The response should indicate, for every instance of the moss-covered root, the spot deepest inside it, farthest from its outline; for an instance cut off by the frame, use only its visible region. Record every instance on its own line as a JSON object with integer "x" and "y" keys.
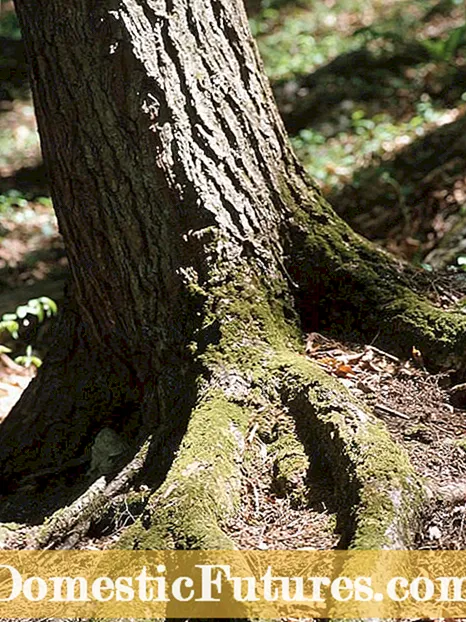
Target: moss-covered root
{"x": 378, "y": 492}
{"x": 203, "y": 485}
{"x": 291, "y": 467}
{"x": 380, "y": 496}
{"x": 349, "y": 285}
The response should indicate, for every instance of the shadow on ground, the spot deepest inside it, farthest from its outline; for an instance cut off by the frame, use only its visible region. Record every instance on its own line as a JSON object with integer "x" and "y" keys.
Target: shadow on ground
{"x": 419, "y": 195}
{"x": 362, "y": 76}
{"x": 14, "y": 82}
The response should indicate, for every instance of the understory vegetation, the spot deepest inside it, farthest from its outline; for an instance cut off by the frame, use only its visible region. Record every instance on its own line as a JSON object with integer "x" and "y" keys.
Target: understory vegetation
{"x": 374, "y": 95}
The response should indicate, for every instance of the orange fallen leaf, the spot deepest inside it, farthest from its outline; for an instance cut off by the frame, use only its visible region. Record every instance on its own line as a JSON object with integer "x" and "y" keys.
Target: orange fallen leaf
{"x": 344, "y": 370}
{"x": 417, "y": 356}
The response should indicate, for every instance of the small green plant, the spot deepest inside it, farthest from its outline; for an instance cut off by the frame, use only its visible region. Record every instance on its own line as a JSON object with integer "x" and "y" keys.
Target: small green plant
{"x": 12, "y": 198}
{"x": 11, "y": 323}
{"x": 445, "y": 50}
{"x": 28, "y": 359}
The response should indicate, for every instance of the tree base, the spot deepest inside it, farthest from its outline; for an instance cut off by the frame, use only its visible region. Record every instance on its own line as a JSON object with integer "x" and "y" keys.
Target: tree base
{"x": 380, "y": 496}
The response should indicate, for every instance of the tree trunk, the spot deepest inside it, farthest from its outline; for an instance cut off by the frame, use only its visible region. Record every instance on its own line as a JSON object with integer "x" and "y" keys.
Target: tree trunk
{"x": 167, "y": 170}
{"x": 195, "y": 240}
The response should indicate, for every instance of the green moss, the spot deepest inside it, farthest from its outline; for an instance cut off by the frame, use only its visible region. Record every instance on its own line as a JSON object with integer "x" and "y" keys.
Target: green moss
{"x": 371, "y": 291}
{"x": 257, "y": 310}
{"x": 379, "y": 493}
{"x": 291, "y": 466}
{"x": 203, "y": 485}
{"x": 250, "y": 324}
{"x": 439, "y": 335}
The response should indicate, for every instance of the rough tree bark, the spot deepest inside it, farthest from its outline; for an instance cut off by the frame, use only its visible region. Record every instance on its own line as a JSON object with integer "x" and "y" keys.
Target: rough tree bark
{"x": 198, "y": 250}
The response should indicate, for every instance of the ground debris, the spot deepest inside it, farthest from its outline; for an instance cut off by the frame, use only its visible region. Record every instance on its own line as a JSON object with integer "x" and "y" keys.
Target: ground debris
{"x": 269, "y": 518}
{"x": 421, "y": 412}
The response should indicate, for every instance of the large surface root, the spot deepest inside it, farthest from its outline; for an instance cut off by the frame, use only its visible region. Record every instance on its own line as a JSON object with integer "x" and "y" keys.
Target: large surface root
{"x": 379, "y": 494}
{"x": 348, "y": 286}
{"x": 203, "y": 486}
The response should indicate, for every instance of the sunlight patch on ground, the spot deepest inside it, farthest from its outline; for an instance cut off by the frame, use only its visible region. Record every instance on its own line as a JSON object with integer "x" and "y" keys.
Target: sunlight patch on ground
{"x": 19, "y": 140}
{"x": 13, "y": 381}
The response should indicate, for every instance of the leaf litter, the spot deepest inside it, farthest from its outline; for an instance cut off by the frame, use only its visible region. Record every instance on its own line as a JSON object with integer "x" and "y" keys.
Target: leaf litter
{"x": 424, "y": 413}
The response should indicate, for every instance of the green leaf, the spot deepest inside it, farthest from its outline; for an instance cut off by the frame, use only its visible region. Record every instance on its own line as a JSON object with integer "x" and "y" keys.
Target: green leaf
{"x": 49, "y": 305}
{"x": 455, "y": 39}
{"x": 22, "y": 311}
{"x": 445, "y": 49}
{"x": 10, "y": 326}
{"x": 9, "y": 317}
{"x": 28, "y": 359}
{"x": 35, "y": 308}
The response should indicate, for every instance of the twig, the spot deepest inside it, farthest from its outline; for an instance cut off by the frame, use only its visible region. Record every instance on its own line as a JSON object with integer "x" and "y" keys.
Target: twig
{"x": 386, "y": 410}
{"x": 78, "y": 516}
{"x": 382, "y": 353}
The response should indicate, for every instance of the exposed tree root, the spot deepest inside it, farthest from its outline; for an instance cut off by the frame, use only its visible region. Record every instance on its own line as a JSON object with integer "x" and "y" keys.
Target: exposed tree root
{"x": 349, "y": 286}
{"x": 380, "y": 495}
{"x": 202, "y": 488}
{"x": 291, "y": 464}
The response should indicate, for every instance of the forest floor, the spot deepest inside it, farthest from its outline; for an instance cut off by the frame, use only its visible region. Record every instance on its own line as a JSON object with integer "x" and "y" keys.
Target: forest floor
{"x": 374, "y": 99}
